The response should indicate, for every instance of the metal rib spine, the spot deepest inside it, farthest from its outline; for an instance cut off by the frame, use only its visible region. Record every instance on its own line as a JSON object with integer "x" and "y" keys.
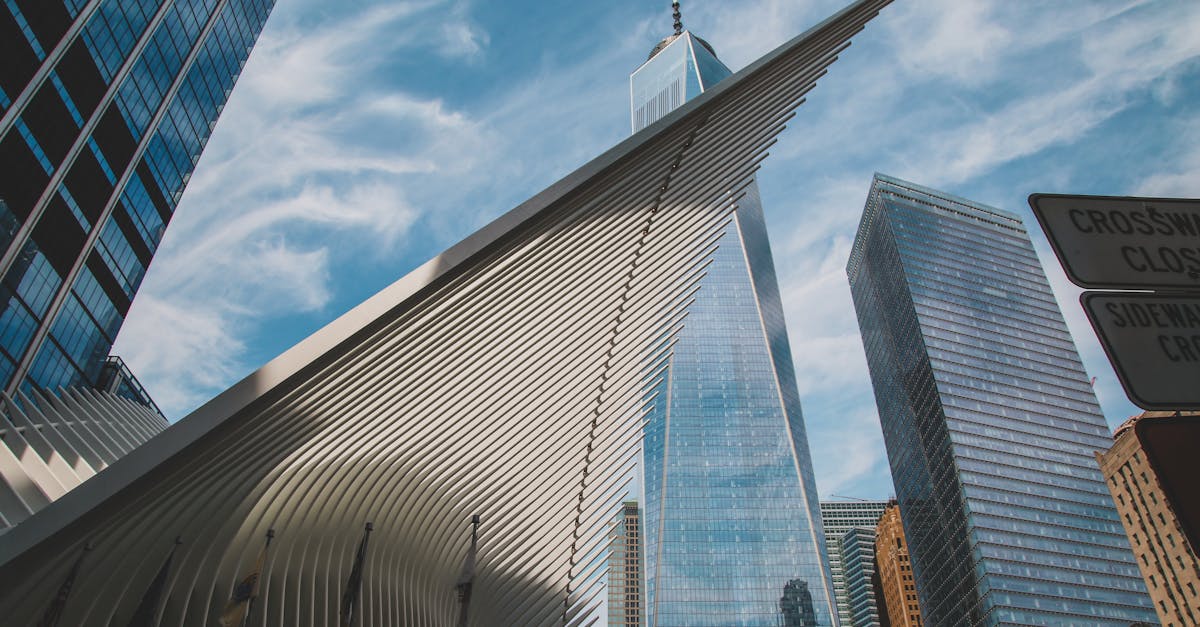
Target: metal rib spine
{"x": 53, "y": 444}
{"x": 488, "y": 382}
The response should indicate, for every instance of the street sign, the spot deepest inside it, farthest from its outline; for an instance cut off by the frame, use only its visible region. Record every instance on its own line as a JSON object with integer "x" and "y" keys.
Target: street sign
{"x": 1111, "y": 242}
{"x": 1153, "y": 342}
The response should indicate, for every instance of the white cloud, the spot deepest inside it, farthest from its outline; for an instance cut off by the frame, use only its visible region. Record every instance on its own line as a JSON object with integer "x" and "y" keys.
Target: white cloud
{"x": 306, "y": 157}
{"x": 825, "y": 342}
{"x": 310, "y": 65}
{"x": 427, "y": 113}
{"x": 848, "y": 455}
{"x": 1121, "y": 63}
{"x": 187, "y": 352}
{"x": 461, "y": 39}
{"x": 1182, "y": 177}
{"x": 951, "y": 39}
{"x": 283, "y": 274}
{"x": 1021, "y": 129}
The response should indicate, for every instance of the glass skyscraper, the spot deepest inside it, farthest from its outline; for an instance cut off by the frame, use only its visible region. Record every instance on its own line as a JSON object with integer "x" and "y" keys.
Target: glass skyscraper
{"x": 105, "y": 106}
{"x": 838, "y": 517}
{"x": 988, "y": 417}
{"x": 731, "y": 523}
{"x": 857, "y": 551}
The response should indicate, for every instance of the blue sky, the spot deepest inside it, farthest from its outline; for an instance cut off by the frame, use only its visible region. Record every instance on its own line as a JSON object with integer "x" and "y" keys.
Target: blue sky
{"x": 366, "y": 136}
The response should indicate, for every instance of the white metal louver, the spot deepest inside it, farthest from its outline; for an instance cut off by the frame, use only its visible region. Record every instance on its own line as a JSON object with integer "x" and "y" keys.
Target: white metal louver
{"x": 54, "y": 443}
{"x": 506, "y": 377}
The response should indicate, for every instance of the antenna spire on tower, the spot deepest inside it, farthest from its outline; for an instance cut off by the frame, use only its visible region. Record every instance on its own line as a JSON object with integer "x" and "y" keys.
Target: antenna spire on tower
{"x": 678, "y": 18}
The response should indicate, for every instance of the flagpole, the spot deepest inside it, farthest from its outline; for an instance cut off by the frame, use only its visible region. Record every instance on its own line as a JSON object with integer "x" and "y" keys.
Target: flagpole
{"x": 54, "y": 610}
{"x": 147, "y": 612}
{"x": 467, "y": 578}
{"x": 254, "y": 597}
{"x": 354, "y": 585}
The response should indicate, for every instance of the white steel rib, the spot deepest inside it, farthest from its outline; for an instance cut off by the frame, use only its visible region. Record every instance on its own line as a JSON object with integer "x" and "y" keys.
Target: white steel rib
{"x": 507, "y": 377}
{"x": 52, "y": 444}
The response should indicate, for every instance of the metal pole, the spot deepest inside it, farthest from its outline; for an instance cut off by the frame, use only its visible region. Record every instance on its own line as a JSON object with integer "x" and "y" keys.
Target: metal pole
{"x": 467, "y": 579}
{"x": 261, "y": 567}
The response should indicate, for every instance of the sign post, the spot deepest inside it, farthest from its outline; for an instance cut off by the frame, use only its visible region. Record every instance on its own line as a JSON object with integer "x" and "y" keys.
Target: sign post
{"x": 1152, "y": 337}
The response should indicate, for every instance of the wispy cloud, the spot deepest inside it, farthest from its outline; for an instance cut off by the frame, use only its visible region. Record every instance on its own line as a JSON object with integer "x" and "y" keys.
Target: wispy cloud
{"x": 330, "y": 166}
{"x": 958, "y": 41}
{"x": 1181, "y": 178}
{"x": 460, "y": 37}
{"x": 1120, "y": 64}
{"x": 847, "y": 451}
{"x": 177, "y": 339}
{"x": 311, "y": 153}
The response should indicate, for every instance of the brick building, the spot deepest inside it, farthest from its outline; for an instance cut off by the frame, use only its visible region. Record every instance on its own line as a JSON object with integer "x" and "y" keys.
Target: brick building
{"x": 899, "y": 590}
{"x": 1150, "y": 470}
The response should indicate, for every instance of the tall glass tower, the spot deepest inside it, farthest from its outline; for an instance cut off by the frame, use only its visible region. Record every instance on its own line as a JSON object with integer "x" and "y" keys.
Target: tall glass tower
{"x": 732, "y": 524}
{"x": 988, "y": 418}
{"x": 105, "y": 106}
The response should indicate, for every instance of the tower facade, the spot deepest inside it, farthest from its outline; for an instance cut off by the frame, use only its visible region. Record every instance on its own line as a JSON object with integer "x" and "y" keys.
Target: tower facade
{"x": 837, "y": 518}
{"x": 732, "y": 524}
{"x": 988, "y": 418}
{"x": 857, "y": 549}
{"x": 625, "y": 568}
{"x": 1150, "y": 470}
{"x": 899, "y": 605}
{"x": 104, "y": 109}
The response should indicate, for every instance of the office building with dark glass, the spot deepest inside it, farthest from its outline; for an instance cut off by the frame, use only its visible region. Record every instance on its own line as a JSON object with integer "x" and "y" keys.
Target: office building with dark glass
{"x": 105, "y": 106}
{"x": 732, "y": 525}
{"x": 988, "y": 418}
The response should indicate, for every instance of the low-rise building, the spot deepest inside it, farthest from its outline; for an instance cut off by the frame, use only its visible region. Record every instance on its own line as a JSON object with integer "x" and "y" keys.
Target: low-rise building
{"x": 1151, "y": 469}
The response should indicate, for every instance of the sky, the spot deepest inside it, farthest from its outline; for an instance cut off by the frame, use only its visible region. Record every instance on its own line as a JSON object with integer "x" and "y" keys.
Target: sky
{"x": 366, "y": 136}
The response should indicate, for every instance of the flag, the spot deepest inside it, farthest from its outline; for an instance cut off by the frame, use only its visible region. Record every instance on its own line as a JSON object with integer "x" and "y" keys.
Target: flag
{"x": 146, "y": 614}
{"x": 242, "y": 601}
{"x": 467, "y": 576}
{"x": 55, "y": 609}
{"x": 354, "y": 584}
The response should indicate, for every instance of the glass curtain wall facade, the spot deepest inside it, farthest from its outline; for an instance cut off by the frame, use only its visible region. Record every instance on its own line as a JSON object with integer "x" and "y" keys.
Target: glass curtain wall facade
{"x": 731, "y": 520}
{"x": 105, "y": 105}
{"x": 857, "y": 549}
{"x": 988, "y": 417}
{"x": 838, "y": 517}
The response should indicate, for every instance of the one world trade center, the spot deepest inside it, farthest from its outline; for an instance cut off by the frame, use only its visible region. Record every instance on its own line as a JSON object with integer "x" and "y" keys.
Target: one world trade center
{"x": 731, "y": 522}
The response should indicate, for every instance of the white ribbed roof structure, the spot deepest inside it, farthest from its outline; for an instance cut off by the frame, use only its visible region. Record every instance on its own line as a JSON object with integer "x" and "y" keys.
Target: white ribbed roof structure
{"x": 49, "y": 447}
{"x": 506, "y": 377}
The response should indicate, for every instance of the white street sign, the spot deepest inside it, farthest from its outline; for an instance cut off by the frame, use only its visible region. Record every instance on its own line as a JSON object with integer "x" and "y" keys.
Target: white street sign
{"x": 1153, "y": 342}
{"x": 1112, "y": 242}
